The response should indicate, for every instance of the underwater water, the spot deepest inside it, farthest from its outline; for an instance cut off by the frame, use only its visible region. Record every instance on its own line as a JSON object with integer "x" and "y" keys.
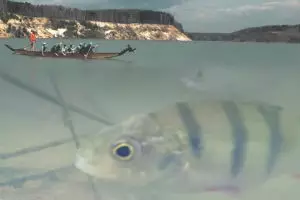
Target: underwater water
{"x": 109, "y": 91}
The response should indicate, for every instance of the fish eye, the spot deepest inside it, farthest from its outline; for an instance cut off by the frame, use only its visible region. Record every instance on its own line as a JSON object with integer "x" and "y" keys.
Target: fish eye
{"x": 123, "y": 151}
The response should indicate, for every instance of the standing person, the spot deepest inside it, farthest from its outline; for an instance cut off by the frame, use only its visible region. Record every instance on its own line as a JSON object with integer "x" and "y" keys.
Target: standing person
{"x": 32, "y": 40}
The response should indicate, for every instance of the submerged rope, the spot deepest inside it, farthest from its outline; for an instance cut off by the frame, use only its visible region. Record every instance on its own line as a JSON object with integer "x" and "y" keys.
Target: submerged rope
{"x": 68, "y": 122}
{"x": 43, "y": 95}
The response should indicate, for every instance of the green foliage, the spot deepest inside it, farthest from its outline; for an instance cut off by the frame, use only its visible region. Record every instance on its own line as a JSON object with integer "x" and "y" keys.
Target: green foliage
{"x": 7, "y": 16}
{"x": 94, "y": 34}
{"x": 57, "y": 23}
{"x": 71, "y": 34}
{"x": 90, "y": 25}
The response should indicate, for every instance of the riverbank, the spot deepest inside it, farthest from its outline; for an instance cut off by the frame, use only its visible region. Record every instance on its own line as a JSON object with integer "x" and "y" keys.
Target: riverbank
{"x": 18, "y": 26}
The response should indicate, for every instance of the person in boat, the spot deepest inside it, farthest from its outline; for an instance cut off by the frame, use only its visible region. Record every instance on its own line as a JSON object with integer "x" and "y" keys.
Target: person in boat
{"x": 70, "y": 49}
{"x": 82, "y": 48}
{"x": 54, "y": 48}
{"x": 58, "y": 48}
{"x": 63, "y": 48}
{"x": 32, "y": 40}
{"x": 44, "y": 47}
{"x": 78, "y": 48}
{"x": 89, "y": 48}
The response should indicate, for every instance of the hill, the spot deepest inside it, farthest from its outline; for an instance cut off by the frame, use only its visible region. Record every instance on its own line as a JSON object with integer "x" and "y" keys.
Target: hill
{"x": 271, "y": 33}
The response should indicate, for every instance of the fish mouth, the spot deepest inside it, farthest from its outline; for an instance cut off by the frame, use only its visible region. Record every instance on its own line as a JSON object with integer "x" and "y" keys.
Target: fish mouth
{"x": 83, "y": 165}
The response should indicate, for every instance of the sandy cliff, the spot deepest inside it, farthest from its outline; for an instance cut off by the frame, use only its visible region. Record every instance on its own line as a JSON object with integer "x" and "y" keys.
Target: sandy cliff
{"x": 19, "y": 26}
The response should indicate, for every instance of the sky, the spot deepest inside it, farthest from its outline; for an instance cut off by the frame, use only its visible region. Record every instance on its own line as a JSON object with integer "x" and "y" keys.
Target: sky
{"x": 205, "y": 15}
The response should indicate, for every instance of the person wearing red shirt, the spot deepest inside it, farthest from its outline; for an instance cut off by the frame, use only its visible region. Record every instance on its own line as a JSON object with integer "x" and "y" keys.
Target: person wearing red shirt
{"x": 32, "y": 39}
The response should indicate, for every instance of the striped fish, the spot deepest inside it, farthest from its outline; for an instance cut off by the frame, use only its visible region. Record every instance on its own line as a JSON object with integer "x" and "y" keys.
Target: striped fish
{"x": 211, "y": 141}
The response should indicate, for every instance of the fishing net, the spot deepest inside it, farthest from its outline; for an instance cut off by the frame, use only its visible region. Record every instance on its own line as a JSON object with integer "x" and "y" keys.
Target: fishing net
{"x": 28, "y": 174}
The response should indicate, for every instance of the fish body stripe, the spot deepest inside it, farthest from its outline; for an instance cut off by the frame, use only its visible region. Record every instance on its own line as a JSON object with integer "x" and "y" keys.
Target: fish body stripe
{"x": 272, "y": 118}
{"x": 239, "y": 119}
{"x": 239, "y": 133}
{"x": 192, "y": 127}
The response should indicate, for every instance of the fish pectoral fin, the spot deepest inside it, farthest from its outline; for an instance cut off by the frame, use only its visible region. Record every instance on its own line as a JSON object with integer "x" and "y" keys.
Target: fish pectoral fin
{"x": 186, "y": 167}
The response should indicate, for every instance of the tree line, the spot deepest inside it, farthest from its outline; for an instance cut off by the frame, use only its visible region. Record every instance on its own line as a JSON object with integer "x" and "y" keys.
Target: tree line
{"x": 3, "y": 6}
{"x": 109, "y": 15}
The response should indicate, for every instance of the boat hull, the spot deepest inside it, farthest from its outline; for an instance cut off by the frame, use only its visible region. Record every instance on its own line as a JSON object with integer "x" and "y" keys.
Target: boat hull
{"x": 91, "y": 55}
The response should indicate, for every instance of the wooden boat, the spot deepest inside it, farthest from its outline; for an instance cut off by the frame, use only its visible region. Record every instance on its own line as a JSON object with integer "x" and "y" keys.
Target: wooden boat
{"x": 90, "y": 55}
